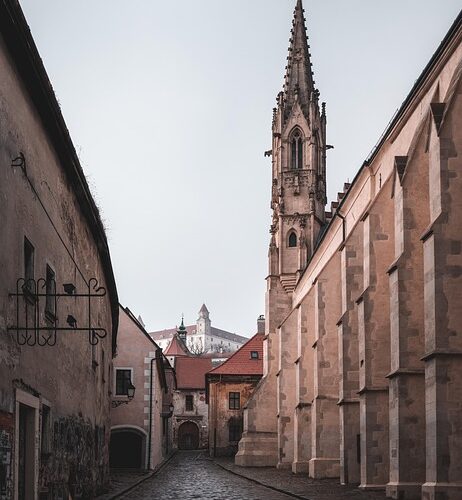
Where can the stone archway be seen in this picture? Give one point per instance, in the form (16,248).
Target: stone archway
(188,436)
(127,448)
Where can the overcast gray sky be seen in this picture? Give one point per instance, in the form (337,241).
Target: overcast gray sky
(169,106)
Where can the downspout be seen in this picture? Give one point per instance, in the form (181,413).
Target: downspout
(150,412)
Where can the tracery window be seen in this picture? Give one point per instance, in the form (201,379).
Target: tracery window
(292,239)
(296,150)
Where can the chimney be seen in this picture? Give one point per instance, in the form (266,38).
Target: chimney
(261,324)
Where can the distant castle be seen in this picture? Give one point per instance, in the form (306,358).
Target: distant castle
(201,337)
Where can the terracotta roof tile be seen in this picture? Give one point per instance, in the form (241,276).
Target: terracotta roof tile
(241,362)
(176,348)
(190,372)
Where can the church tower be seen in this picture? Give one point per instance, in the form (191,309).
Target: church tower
(298,195)
(298,200)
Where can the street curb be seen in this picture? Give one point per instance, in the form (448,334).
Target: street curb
(142,480)
(288,493)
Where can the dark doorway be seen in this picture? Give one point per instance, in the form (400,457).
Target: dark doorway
(188,436)
(126,449)
(26,462)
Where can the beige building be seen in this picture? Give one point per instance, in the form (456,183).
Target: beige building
(190,413)
(363,371)
(228,388)
(142,406)
(58,299)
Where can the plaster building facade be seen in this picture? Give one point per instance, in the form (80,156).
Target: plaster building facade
(58,299)
(141,425)
(363,371)
(228,388)
(190,413)
(202,337)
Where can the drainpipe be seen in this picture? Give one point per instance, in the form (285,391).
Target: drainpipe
(150,412)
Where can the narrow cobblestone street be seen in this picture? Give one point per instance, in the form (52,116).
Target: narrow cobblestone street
(191,475)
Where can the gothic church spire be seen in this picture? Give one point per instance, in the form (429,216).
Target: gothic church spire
(298,81)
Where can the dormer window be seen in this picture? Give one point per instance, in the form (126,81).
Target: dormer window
(253,354)
(292,239)
(296,150)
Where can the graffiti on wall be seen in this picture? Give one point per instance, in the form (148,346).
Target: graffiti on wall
(5,464)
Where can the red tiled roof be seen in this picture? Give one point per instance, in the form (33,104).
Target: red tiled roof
(190,372)
(241,363)
(176,348)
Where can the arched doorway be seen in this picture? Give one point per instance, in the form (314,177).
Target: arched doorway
(188,436)
(127,449)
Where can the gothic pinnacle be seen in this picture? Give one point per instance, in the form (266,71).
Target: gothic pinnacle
(298,81)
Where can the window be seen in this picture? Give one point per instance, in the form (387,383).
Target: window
(29,266)
(296,150)
(123,381)
(254,354)
(189,403)
(292,239)
(50,300)
(235,429)
(234,400)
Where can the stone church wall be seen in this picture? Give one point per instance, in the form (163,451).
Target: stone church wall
(368,352)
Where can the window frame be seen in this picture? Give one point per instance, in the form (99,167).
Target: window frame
(189,398)
(296,142)
(50,298)
(292,234)
(235,429)
(256,353)
(116,370)
(29,287)
(234,400)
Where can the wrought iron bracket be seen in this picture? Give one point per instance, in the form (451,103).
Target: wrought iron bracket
(28,328)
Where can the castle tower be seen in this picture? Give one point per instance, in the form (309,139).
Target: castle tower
(203,324)
(298,200)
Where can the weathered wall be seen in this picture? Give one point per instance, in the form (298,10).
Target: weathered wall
(71,378)
(198,415)
(220,414)
(135,350)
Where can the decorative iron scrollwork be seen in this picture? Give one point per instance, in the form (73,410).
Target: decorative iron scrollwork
(29,297)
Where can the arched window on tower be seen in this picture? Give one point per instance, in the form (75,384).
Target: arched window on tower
(296,150)
(292,239)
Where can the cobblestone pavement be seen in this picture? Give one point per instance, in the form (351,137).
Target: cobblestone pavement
(191,475)
(301,485)
(123,479)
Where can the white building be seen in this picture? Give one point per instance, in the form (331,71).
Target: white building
(202,337)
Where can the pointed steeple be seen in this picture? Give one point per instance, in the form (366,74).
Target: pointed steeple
(182,330)
(203,311)
(298,81)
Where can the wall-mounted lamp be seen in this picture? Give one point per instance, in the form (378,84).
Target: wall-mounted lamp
(130,395)
(131,392)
